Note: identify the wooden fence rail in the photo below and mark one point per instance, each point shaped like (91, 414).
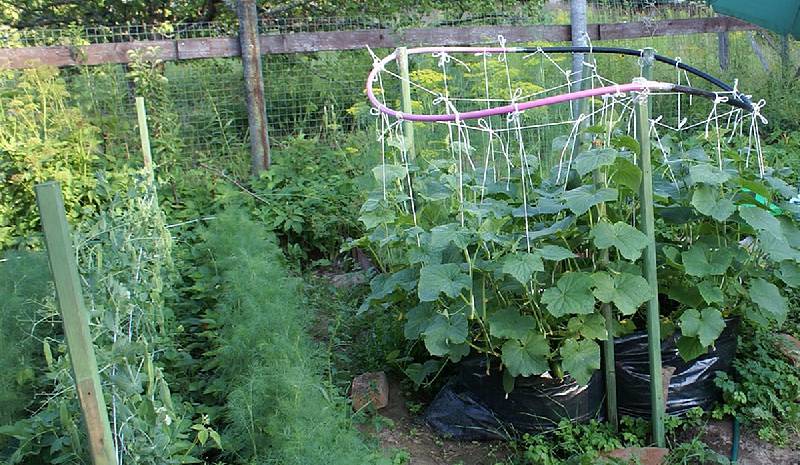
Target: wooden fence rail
(184, 49)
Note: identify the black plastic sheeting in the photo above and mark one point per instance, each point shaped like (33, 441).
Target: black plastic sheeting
(474, 406)
(692, 383)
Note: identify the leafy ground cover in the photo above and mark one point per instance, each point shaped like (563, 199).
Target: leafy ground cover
(698, 438)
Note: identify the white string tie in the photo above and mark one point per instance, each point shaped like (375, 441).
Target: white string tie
(514, 115)
(757, 111)
(443, 57)
(588, 39)
(375, 57)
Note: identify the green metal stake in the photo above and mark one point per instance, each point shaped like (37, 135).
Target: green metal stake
(76, 322)
(405, 87)
(650, 266)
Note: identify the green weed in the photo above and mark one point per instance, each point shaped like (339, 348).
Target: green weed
(764, 388)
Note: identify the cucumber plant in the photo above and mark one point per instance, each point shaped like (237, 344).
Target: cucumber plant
(513, 262)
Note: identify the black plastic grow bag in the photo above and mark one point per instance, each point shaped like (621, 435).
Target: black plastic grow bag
(692, 383)
(474, 406)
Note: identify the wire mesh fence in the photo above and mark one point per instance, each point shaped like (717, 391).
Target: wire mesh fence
(322, 93)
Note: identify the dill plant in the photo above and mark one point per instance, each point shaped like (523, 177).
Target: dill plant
(24, 284)
(278, 408)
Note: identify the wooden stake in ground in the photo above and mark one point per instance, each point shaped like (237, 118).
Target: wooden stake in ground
(76, 322)
(144, 133)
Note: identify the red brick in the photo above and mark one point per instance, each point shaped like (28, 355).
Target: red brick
(645, 455)
(370, 389)
(790, 347)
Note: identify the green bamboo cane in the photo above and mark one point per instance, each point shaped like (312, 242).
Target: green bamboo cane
(650, 265)
(405, 87)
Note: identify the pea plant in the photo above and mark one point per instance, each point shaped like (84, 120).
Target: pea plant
(517, 263)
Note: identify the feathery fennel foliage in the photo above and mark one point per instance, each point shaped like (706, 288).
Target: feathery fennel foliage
(279, 409)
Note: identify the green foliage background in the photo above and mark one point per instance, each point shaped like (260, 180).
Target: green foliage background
(220, 366)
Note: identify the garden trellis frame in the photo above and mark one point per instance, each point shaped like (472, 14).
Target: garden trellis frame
(640, 86)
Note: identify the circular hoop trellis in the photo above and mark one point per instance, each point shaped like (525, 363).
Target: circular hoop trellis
(741, 114)
(736, 99)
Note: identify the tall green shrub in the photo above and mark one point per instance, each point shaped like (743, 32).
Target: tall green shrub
(42, 137)
(124, 256)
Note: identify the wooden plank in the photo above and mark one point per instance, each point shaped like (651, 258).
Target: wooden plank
(118, 52)
(95, 54)
(75, 320)
(671, 27)
(445, 36)
(302, 42)
(26, 57)
(218, 47)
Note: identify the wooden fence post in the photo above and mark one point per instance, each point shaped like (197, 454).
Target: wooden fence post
(723, 40)
(785, 55)
(577, 13)
(757, 50)
(76, 322)
(253, 84)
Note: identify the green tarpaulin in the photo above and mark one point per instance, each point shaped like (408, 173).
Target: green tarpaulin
(779, 16)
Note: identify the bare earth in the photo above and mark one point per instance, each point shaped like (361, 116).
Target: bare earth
(752, 450)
